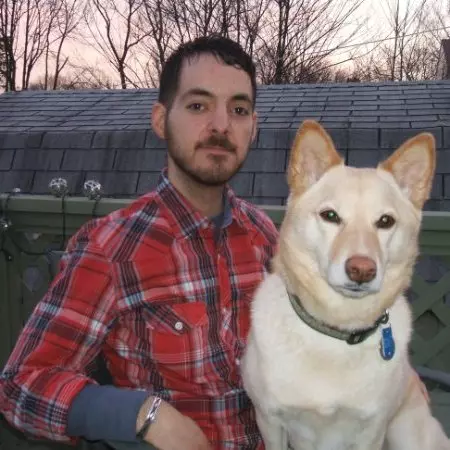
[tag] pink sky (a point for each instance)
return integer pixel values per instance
(82, 54)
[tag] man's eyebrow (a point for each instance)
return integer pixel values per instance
(242, 97)
(197, 91)
(204, 93)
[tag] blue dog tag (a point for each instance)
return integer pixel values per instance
(387, 343)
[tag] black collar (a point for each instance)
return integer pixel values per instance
(351, 337)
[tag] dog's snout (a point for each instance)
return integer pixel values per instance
(361, 269)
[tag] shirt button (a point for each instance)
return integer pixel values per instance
(238, 362)
(179, 326)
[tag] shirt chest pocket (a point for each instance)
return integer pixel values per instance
(179, 342)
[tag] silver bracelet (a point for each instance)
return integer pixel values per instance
(150, 418)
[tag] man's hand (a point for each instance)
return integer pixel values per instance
(172, 430)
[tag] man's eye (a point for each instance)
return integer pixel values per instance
(241, 111)
(195, 106)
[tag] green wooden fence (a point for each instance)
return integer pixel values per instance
(35, 229)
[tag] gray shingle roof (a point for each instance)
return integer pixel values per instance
(106, 135)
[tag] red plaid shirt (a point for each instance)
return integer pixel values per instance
(166, 303)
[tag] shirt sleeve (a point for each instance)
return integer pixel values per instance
(64, 333)
(105, 413)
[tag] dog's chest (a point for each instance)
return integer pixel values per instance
(329, 403)
(340, 429)
(331, 392)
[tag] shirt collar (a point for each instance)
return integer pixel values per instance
(186, 218)
(227, 208)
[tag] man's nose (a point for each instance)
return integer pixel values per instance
(220, 120)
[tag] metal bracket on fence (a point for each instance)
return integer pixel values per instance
(92, 189)
(5, 224)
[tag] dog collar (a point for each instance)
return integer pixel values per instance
(351, 337)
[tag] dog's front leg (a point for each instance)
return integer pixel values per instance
(274, 435)
(413, 426)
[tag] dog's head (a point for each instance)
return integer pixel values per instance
(348, 242)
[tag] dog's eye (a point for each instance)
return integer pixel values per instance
(385, 222)
(330, 215)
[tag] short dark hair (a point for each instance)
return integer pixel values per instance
(225, 49)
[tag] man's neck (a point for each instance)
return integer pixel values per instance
(206, 199)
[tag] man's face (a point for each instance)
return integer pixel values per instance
(211, 122)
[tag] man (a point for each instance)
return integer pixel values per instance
(161, 289)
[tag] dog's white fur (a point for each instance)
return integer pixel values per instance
(315, 391)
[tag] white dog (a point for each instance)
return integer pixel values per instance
(326, 364)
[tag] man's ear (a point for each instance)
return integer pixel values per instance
(159, 112)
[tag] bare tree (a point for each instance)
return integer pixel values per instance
(160, 40)
(197, 17)
(31, 32)
(171, 23)
(112, 26)
(411, 52)
(76, 77)
(437, 23)
(68, 14)
(10, 16)
(406, 28)
(300, 37)
(91, 77)
(250, 16)
(38, 24)
(194, 18)
(291, 40)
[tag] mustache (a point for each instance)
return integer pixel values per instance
(217, 140)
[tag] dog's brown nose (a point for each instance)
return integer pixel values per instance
(361, 269)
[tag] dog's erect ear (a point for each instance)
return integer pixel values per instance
(312, 154)
(412, 166)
